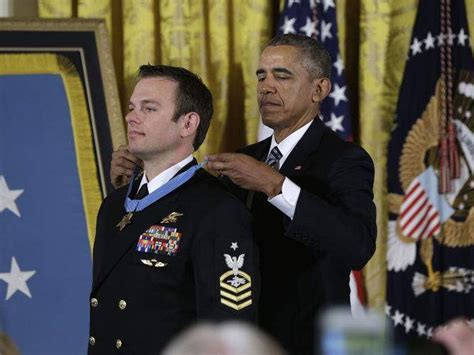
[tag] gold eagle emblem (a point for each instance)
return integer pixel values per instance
(171, 218)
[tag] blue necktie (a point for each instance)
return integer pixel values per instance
(273, 160)
(274, 157)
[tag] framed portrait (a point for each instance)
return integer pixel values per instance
(60, 119)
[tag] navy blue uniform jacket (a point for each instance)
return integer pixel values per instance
(142, 297)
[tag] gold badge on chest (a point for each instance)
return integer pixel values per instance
(126, 219)
(171, 218)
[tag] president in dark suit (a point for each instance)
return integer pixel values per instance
(310, 194)
(173, 247)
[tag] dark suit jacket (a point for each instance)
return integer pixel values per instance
(143, 298)
(306, 262)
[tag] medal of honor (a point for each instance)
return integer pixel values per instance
(131, 206)
(126, 219)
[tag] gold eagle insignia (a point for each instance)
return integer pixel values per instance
(421, 151)
(171, 218)
(235, 285)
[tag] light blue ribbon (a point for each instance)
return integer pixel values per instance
(138, 205)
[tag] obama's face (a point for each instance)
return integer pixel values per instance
(285, 91)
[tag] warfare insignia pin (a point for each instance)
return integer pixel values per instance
(235, 284)
(153, 263)
(146, 262)
(171, 218)
(159, 240)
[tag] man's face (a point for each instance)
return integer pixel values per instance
(284, 89)
(151, 129)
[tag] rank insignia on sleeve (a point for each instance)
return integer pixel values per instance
(235, 285)
(171, 218)
(159, 240)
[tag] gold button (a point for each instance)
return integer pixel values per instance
(122, 304)
(94, 302)
(118, 344)
(92, 341)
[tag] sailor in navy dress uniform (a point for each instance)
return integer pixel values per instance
(185, 257)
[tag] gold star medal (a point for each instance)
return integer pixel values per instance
(126, 219)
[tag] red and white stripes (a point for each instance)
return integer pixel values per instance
(419, 219)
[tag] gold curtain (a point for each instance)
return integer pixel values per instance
(219, 40)
(385, 32)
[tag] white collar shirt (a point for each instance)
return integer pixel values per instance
(286, 145)
(288, 198)
(165, 176)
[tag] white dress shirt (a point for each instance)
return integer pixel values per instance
(165, 176)
(290, 192)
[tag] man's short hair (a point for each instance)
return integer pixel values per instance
(316, 58)
(192, 95)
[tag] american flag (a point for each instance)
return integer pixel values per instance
(317, 19)
(423, 209)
